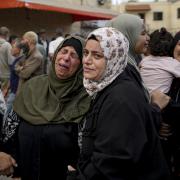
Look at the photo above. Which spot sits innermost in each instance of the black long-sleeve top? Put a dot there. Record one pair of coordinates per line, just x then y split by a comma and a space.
120, 141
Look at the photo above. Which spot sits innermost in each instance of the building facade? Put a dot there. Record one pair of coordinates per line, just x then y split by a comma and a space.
32, 15
162, 13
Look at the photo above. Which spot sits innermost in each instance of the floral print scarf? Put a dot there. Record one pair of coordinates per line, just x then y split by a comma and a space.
115, 48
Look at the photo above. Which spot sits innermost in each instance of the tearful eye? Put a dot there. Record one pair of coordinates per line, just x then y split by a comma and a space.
63, 51
74, 56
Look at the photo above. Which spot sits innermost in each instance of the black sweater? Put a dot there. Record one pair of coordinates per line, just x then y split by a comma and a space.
120, 141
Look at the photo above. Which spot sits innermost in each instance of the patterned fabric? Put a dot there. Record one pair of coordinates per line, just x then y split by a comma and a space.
115, 48
10, 124
131, 26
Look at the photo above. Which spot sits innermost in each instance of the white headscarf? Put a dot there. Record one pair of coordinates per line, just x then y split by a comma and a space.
115, 48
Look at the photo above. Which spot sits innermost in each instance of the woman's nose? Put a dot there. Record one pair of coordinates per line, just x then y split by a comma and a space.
147, 37
67, 57
87, 59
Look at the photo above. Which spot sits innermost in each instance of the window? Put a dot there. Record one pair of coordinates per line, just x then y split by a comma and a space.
178, 13
142, 15
158, 16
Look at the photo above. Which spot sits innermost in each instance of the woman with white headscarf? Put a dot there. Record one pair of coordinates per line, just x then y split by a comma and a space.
119, 140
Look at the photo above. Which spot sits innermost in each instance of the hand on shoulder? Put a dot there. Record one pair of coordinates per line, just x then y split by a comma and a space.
159, 98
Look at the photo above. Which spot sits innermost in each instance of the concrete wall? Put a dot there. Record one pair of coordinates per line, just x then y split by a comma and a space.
169, 9
175, 22
159, 7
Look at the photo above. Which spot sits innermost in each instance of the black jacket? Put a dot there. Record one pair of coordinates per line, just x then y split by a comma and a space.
120, 141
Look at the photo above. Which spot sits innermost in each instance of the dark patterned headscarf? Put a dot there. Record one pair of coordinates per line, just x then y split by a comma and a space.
115, 48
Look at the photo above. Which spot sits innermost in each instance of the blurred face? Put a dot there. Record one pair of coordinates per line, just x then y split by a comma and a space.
142, 43
25, 40
26, 45
66, 63
15, 51
94, 63
176, 52
43, 36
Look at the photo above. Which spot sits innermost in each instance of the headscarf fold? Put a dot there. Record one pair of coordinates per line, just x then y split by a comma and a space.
48, 99
115, 48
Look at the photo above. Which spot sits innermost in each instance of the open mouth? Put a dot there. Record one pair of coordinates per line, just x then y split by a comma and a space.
64, 66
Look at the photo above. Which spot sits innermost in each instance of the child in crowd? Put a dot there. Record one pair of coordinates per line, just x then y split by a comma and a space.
159, 69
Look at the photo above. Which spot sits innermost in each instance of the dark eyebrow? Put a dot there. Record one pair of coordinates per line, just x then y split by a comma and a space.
93, 51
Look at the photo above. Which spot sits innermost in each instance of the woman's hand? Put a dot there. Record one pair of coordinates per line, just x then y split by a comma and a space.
160, 99
70, 168
7, 164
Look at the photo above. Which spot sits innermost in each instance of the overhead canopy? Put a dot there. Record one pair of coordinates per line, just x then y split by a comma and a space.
78, 12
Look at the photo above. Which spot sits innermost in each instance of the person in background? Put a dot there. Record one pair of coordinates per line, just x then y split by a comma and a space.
119, 139
55, 43
17, 53
171, 132
32, 64
42, 39
43, 47
45, 58
159, 69
12, 39
133, 27
6, 60
48, 109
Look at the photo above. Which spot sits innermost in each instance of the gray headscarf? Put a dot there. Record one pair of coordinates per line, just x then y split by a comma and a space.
131, 26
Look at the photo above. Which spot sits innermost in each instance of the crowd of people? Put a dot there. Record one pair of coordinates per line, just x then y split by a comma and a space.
105, 106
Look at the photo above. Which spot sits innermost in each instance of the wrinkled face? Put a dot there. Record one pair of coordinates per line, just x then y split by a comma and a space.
94, 63
176, 52
142, 43
67, 62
